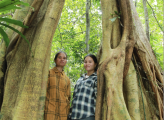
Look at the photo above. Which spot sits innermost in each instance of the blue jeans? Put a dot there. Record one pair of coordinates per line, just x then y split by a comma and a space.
88, 118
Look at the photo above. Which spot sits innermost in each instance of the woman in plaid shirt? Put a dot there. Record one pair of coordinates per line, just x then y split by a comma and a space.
58, 91
85, 92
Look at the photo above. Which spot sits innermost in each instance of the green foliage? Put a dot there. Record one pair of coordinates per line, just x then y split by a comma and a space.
11, 21
117, 15
4, 35
6, 5
15, 31
11, 5
70, 36
156, 35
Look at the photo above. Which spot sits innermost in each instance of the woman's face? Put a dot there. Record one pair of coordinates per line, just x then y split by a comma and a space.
61, 60
89, 64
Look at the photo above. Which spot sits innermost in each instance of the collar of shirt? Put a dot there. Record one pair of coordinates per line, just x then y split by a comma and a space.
57, 71
94, 74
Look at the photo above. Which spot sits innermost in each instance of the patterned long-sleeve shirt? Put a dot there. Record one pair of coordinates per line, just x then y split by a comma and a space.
84, 97
58, 96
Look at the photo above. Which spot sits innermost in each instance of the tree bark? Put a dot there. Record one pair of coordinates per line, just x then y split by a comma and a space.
2, 70
122, 89
27, 70
18, 15
112, 62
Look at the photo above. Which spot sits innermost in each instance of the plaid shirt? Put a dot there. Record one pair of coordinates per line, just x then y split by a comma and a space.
58, 96
84, 97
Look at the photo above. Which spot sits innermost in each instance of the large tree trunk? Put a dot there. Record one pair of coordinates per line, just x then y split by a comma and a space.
27, 69
133, 90
18, 15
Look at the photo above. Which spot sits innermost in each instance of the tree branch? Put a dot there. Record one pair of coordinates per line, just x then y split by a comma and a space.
154, 15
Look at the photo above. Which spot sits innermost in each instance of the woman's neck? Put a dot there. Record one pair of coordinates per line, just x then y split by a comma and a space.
59, 68
90, 72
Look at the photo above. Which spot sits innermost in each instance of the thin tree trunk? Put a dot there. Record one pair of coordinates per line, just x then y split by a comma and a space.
61, 38
87, 25
136, 3
146, 20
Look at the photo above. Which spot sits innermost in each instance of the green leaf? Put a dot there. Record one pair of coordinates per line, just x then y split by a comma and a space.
116, 12
15, 22
5, 3
9, 8
113, 19
25, 4
10, 4
18, 33
5, 37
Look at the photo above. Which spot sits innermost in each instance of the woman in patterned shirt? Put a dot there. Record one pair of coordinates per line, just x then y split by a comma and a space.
58, 91
85, 92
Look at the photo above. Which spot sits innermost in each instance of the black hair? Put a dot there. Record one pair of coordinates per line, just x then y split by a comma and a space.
58, 54
94, 59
